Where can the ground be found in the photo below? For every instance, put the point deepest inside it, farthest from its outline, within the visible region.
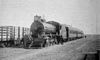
(74, 50)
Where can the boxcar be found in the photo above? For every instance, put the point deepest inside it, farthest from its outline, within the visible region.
(11, 35)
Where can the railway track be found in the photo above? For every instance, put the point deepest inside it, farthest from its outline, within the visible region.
(74, 50)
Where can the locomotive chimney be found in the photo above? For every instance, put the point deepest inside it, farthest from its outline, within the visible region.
(37, 18)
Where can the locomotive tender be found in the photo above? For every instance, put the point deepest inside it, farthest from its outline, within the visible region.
(48, 33)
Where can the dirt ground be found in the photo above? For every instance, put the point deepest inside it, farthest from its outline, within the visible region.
(74, 50)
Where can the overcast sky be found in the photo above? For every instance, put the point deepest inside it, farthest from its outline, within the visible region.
(78, 13)
(98, 16)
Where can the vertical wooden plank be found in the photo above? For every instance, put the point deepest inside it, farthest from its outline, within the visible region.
(18, 32)
(1, 33)
(7, 34)
(26, 30)
(22, 31)
(14, 32)
(10, 32)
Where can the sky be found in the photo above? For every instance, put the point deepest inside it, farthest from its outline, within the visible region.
(77, 13)
(98, 17)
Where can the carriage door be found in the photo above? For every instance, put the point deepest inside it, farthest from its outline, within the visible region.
(67, 33)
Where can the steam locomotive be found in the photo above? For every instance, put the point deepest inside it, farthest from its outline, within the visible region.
(48, 33)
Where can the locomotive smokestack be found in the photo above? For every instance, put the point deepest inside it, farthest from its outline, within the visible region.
(37, 18)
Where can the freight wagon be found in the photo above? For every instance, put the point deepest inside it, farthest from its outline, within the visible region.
(11, 35)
